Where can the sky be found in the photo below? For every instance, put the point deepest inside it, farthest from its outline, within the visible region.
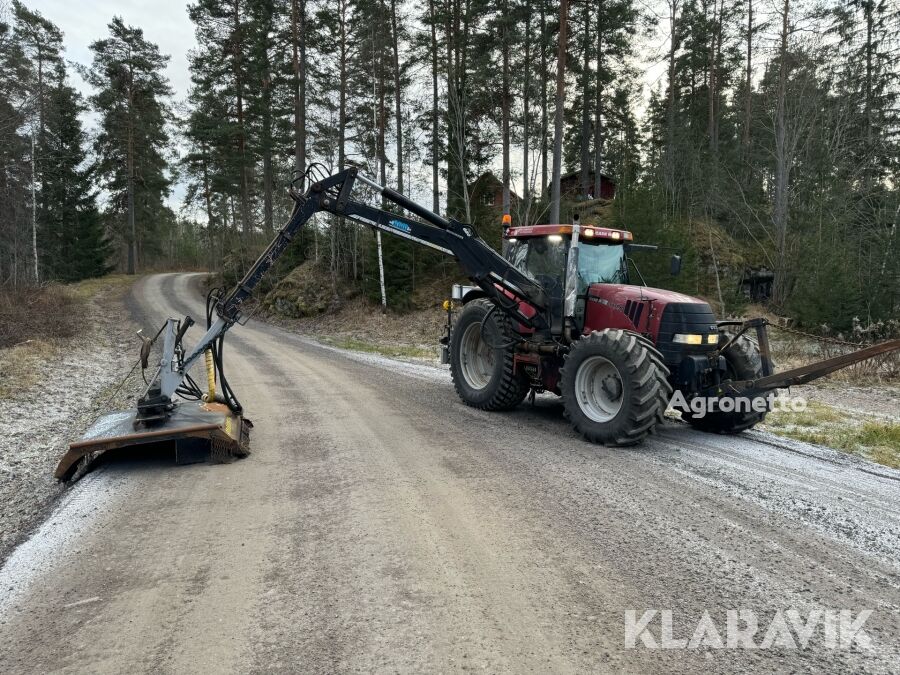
(165, 22)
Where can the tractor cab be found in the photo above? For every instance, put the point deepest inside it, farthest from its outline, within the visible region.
(543, 251)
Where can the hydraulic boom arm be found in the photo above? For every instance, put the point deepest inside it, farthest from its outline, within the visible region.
(514, 293)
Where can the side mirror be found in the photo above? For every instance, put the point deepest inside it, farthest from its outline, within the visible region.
(675, 265)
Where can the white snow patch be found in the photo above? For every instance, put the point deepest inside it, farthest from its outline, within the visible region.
(72, 520)
(419, 371)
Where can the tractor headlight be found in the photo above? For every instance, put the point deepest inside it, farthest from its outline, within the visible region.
(688, 339)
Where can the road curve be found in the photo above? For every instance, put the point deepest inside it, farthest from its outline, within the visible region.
(381, 525)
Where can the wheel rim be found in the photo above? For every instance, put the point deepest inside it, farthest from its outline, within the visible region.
(476, 358)
(599, 389)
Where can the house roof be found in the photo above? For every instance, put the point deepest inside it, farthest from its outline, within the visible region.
(575, 174)
(488, 178)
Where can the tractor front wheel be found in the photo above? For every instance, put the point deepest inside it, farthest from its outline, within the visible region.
(481, 359)
(614, 387)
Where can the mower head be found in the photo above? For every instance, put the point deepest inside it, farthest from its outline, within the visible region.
(197, 432)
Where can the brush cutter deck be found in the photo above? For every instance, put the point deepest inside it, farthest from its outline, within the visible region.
(198, 432)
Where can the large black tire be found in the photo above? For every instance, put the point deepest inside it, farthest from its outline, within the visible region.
(614, 387)
(743, 362)
(483, 370)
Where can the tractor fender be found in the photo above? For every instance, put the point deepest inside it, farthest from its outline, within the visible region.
(473, 295)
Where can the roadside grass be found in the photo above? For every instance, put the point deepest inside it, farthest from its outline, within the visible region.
(875, 439)
(392, 351)
(37, 323)
(18, 364)
(89, 288)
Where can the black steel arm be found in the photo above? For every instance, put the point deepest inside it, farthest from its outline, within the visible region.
(516, 294)
(500, 280)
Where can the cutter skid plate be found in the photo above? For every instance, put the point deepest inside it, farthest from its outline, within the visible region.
(199, 432)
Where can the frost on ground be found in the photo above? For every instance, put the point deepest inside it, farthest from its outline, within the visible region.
(68, 387)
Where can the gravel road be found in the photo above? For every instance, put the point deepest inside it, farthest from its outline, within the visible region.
(381, 525)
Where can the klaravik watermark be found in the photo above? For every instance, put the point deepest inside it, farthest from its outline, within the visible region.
(700, 406)
(838, 629)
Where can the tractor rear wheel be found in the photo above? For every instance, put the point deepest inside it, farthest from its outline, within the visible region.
(481, 358)
(614, 387)
(742, 362)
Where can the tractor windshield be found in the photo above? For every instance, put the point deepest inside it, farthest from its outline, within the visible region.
(543, 259)
(600, 263)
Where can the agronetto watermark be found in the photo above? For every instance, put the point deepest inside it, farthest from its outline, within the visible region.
(701, 406)
(838, 629)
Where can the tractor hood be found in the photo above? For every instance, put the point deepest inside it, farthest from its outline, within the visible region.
(654, 312)
(616, 295)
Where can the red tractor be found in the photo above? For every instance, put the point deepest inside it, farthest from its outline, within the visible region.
(618, 350)
(628, 346)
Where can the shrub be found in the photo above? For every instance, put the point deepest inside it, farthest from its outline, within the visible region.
(37, 313)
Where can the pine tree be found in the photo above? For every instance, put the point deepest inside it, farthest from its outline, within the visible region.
(15, 156)
(131, 146)
(41, 43)
(74, 244)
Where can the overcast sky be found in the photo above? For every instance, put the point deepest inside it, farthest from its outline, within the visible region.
(165, 22)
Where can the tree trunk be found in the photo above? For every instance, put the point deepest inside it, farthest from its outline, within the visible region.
(435, 130)
(670, 111)
(336, 229)
(298, 28)
(598, 106)
(584, 172)
(545, 124)
(342, 82)
(381, 270)
(34, 244)
(132, 227)
(748, 94)
(207, 198)
(526, 117)
(237, 47)
(454, 163)
(868, 8)
(381, 128)
(558, 112)
(266, 112)
(505, 103)
(782, 164)
(398, 93)
(711, 82)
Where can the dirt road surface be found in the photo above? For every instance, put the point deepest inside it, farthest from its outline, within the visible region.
(381, 525)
